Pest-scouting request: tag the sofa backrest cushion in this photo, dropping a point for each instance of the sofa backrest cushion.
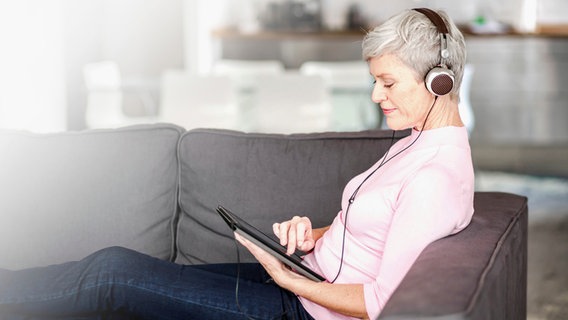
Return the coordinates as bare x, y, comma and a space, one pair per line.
264, 178
65, 195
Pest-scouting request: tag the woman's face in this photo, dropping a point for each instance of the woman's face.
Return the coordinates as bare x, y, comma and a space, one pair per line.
404, 100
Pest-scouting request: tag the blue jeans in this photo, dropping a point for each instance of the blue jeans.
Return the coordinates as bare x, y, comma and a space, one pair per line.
117, 283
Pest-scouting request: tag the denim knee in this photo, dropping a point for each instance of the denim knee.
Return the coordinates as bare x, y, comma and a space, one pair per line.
113, 259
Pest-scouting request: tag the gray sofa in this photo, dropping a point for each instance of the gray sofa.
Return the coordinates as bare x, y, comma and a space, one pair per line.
154, 188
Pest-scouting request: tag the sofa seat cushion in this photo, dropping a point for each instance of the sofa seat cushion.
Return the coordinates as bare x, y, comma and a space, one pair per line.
65, 195
264, 178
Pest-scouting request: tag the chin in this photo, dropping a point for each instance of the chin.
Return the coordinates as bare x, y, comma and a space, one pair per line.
396, 126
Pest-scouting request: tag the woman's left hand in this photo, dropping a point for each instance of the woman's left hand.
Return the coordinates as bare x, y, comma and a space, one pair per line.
343, 298
280, 273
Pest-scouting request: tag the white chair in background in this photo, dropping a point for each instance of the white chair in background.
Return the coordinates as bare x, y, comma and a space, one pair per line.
350, 85
198, 101
105, 97
340, 74
291, 103
244, 72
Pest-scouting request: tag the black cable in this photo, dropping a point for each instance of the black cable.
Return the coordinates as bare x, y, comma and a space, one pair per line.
383, 162
351, 200
237, 284
237, 287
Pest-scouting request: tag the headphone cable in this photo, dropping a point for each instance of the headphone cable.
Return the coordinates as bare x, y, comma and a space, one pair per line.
354, 194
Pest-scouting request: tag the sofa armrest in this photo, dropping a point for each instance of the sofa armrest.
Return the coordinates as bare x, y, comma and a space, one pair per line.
479, 273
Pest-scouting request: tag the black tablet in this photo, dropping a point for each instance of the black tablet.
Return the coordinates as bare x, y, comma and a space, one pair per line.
272, 246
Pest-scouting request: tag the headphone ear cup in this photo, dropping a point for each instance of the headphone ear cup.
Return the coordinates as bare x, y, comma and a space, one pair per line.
439, 81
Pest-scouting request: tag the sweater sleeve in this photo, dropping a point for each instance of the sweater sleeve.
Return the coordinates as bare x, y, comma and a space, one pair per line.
431, 204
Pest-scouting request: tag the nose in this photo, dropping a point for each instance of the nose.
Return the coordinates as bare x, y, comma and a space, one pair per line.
378, 95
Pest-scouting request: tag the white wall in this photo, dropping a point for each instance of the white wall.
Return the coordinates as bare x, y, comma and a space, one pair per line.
200, 18
32, 82
45, 44
144, 37
553, 11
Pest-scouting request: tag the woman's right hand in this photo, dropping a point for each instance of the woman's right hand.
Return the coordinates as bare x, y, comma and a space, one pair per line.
296, 233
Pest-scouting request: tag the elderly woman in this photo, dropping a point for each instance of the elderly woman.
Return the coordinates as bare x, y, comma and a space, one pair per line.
420, 191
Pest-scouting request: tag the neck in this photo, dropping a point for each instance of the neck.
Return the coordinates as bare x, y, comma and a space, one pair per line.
444, 113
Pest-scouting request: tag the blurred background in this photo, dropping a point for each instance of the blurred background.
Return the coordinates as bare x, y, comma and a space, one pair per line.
293, 66
77, 64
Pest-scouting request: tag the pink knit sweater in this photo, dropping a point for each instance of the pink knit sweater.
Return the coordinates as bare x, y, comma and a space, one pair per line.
423, 194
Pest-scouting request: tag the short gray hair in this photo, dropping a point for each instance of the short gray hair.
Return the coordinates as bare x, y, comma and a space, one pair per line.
415, 40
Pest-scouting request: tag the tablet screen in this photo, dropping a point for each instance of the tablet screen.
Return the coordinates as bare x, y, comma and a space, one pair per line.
266, 242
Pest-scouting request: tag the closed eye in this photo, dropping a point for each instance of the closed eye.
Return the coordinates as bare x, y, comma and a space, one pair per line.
385, 85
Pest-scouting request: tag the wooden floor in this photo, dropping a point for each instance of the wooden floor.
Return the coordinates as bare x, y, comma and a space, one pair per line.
547, 279
547, 297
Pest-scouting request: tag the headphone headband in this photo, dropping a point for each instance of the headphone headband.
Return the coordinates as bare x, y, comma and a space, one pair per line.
435, 18
439, 80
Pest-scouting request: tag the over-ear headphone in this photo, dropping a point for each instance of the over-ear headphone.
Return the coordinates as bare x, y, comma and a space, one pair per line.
439, 80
